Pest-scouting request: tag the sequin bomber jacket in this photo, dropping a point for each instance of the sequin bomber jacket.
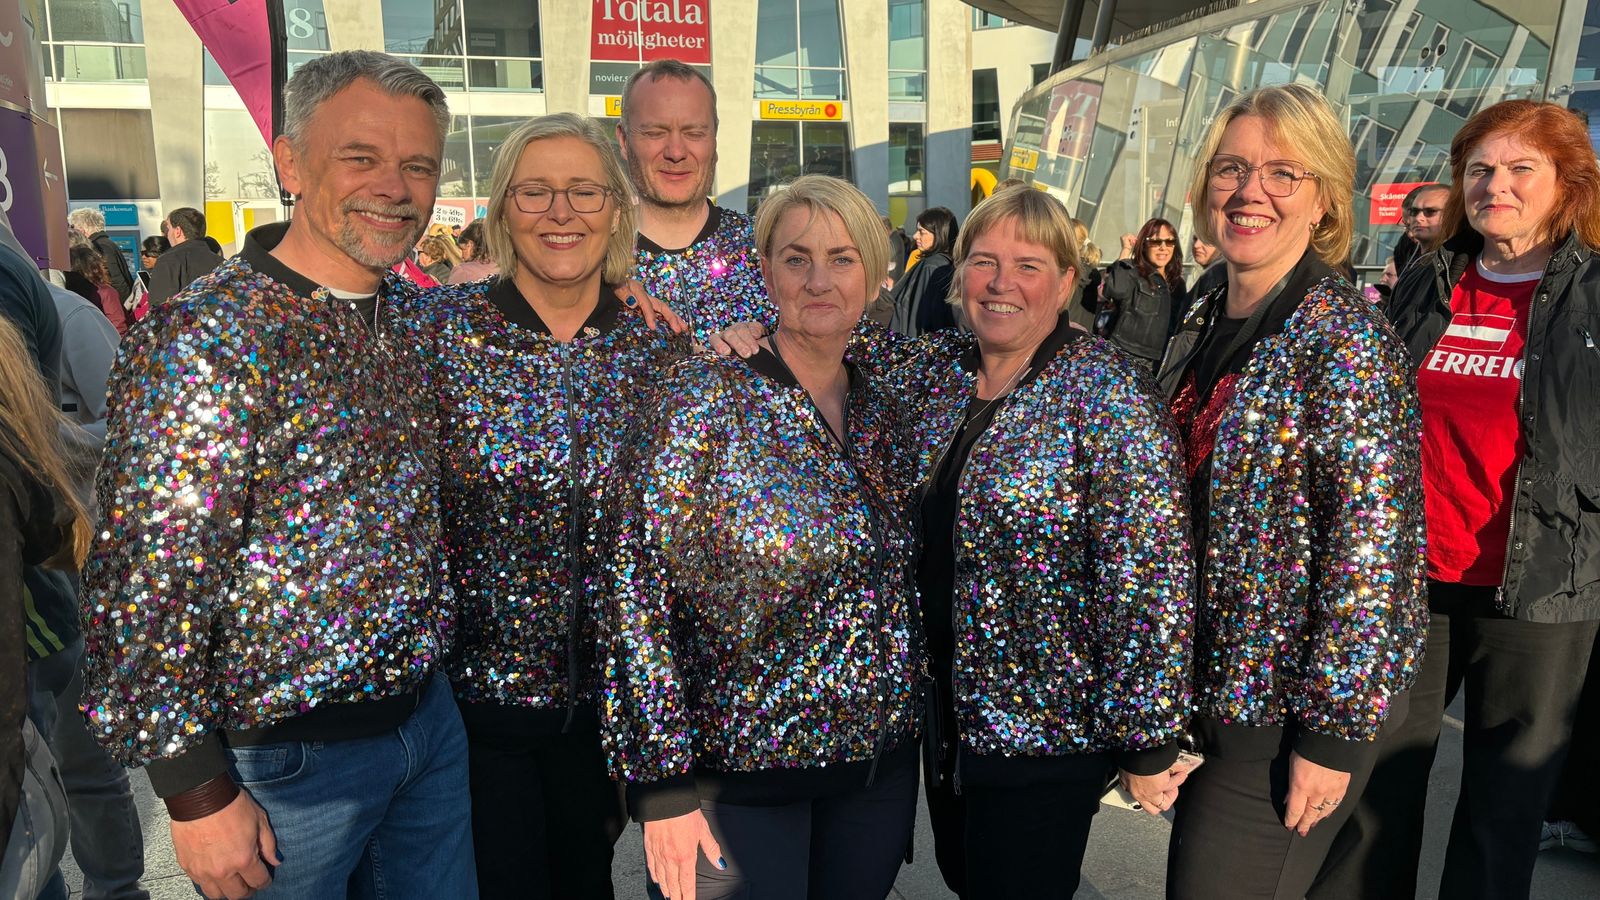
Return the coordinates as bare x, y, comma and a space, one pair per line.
757, 613
269, 546
530, 428
1071, 601
1312, 612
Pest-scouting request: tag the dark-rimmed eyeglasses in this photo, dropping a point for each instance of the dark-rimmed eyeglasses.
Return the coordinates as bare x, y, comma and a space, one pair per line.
1160, 242
1279, 177
537, 198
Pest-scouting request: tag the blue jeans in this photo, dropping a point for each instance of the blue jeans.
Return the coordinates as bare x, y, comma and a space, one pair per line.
381, 817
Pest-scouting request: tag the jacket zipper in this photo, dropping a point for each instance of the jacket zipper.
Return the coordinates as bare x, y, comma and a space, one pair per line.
1539, 295
574, 588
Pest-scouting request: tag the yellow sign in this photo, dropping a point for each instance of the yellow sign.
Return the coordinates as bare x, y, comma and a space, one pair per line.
803, 110
1023, 158
614, 107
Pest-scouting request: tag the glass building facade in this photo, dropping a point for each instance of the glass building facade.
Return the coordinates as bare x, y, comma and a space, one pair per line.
1116, 136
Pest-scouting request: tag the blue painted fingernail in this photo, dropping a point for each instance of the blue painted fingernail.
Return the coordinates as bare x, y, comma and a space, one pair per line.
722, 863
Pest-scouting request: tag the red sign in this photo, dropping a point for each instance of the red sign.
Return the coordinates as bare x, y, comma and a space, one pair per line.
645, 30
1387, 200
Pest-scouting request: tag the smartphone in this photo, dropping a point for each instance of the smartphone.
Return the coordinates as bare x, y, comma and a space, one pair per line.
1118, 796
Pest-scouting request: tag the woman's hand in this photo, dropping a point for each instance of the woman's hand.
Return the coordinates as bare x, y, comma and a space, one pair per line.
671, 849
1155, 793
634, 296
1314, 792
743, 338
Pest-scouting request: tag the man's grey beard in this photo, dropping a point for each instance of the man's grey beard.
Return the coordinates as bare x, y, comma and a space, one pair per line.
349, 235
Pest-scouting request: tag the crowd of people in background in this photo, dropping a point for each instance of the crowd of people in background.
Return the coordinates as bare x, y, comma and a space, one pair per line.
424, 559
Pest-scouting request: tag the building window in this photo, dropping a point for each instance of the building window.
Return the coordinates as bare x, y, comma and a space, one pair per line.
908, 50
906, 172
799, 50
982, 20
480, 45
103, 169
985, 105
1041, 71
94, 40
780, 152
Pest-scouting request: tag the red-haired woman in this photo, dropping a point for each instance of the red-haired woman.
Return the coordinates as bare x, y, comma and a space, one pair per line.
1502, 321
1142, 299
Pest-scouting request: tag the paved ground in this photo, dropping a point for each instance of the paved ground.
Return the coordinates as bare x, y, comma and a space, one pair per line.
1126, 857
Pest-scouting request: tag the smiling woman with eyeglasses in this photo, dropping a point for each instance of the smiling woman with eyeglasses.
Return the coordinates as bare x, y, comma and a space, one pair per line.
1302, 451
537, 374
1142, 299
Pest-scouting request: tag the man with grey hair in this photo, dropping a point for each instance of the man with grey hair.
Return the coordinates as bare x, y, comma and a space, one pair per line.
91, 224
697, 257
266, 607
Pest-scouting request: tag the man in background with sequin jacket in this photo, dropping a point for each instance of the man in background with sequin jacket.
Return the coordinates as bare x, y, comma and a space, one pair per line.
695, 256
265, 606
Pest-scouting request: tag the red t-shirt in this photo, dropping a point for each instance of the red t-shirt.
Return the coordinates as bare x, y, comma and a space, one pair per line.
1471, 442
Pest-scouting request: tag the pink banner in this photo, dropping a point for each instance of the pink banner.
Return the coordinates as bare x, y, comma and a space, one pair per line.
236, 33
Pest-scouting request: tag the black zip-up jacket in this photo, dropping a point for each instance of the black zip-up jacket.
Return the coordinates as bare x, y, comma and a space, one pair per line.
1553, 551
179, 267
1148, 310
919, 297
116, 264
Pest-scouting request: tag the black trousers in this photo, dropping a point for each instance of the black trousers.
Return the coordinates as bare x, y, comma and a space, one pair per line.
839, 847
1577, 796
545, 813
1002, 841
1228, 839
1522, 683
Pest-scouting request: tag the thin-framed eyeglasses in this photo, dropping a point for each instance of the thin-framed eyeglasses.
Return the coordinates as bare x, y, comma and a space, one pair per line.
1279, 177
538, 198
1160, 242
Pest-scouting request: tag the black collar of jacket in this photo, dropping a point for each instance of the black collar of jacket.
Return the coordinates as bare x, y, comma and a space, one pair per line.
1306, 274
257, 253
767, 364
194, 247
505, 296
713, 222
1052, 345
1453, 256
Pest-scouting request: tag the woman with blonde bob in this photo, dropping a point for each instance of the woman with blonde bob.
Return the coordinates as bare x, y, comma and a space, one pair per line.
758, 608
538, 373
1055, 566
1302, 453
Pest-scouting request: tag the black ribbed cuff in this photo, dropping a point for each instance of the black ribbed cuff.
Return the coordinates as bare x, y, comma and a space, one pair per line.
667, 798
190, 769
207, 799
1333, 752
1151, 761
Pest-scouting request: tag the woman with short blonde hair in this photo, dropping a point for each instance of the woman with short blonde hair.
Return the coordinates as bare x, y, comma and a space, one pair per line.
1302, 454
538, 374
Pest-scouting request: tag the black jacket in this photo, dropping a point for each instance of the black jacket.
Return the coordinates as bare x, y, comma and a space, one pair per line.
30, 532
919, 297
116, 264
1553, 559
179, 267
1145, 311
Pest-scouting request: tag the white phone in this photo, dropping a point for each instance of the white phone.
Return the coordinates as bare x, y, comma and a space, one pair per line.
1116, 795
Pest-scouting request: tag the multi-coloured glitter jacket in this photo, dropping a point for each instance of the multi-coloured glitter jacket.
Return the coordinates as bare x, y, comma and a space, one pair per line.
530, 427
1311, 607
269, 554
757, 611
715, 281
1069, 603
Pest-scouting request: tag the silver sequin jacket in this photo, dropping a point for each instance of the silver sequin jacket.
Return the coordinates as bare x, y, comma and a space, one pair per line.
1312, 608
530, 428
270, 534
757, 610
1071, 604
